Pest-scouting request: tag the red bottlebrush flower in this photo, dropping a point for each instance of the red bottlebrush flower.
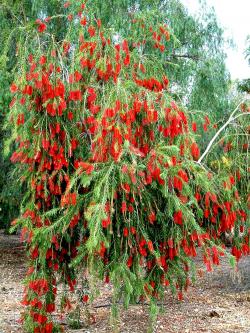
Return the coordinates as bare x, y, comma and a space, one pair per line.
236, 252
178, 184
57, 128
125, 46
124, 207
13, 88
194, 127
152, 217
107, 279
126, 60
91, 31
45, 144
130, 261
74, 143
41, 319
171, 243
206, 213
143, 251
245, 146
75, 95
161, 47
87, 167
126, 187
99, 23
165, 81
197, 196
228, 206
150, 246
48, 327
68, 199
35, 253
42, 27
232, 180
22, 101
74, 221
42, 60
70, 116
83, 21
106, 222
125, 232
130, 209
152, 284
40, 286
195, 151
85, 298
133, 230
180, 296
77, 76
20, 119
178, 217
50, 307
183, 175
28, 90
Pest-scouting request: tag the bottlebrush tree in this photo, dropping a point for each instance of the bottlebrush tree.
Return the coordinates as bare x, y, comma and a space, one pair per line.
109, 159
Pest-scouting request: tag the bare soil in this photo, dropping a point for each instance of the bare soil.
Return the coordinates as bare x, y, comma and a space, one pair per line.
219, 302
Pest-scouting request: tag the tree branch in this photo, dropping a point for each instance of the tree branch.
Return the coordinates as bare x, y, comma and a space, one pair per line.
230, 119
188, 56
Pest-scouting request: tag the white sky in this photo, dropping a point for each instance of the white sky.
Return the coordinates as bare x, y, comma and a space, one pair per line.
234, 17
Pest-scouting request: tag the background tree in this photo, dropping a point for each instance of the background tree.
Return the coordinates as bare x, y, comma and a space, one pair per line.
244, 85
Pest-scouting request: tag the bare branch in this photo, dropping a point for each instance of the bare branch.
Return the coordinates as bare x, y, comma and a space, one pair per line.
187, 56
230, 119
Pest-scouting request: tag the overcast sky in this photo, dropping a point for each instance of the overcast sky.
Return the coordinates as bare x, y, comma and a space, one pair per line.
234, 17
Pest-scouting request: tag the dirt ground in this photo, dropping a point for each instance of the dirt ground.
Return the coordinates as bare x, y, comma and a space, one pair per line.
219, 302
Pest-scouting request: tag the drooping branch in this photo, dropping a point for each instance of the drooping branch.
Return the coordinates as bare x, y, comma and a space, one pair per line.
230, 119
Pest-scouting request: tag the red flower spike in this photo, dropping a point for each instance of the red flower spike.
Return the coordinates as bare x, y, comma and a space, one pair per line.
125, 232
42, 27
194, 127
178, 217
83, 21
91, 31
150, 246
13, 88
195, 151
75, 95
152, 217
106, 223
85, 298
